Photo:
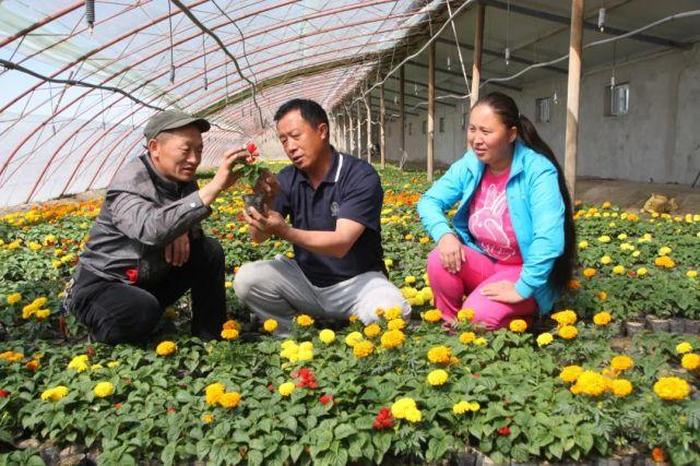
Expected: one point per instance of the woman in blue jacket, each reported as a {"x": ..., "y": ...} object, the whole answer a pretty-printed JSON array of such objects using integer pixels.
[{"x": 510, "y": 247}]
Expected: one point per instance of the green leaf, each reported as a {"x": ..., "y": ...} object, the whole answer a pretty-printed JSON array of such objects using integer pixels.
[
  {"x": 168, "y": 455},
  {"x": 255, "y": 458},
  {"x": 343, "y": 431}
]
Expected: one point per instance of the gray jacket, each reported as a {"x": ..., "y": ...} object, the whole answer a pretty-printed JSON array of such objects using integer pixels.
[{"x": 142, "y": 213}]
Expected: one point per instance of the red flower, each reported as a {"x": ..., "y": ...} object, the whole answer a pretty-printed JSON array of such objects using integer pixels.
[
  {"x": 384, "y": 419},
  {"x": 117, "y": 405},
  {"x": 4, "y": 393},
  {"x": 505, "y": 431},
  {"x": 325, "y": 399},
  {"x": 171, "y": 410},
  {"x": 132, "y": 275},
  {"x": 306, "y": 377},
  {"x": 251, "y": 147}
]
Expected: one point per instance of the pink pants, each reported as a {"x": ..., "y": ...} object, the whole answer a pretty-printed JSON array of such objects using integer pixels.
[{"x": 478, "y": 271}]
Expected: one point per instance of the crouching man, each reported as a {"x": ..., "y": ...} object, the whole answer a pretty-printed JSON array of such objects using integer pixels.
[
  {"x": 146, "y": 248},
  {"x": 334, "y": 203}
]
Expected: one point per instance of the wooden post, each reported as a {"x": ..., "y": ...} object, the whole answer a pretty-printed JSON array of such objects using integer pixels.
[
  {"x": 359, "y": 130},
  {"x": 382, "y": 137},
  {"x": 478, "y": 46},
  {"x": 573, "y": 95},
  {"x": 402, "y": 112},
  {"x": 369, "y": 128},
  {"x": 351, "y": 141},
  {"x": 431, "y": 109}
]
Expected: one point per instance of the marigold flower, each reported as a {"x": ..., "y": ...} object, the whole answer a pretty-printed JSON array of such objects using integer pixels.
[
  {"x": 410, "y": 280},
  {"x": 583, "y": 244},
  {"x": 465, "y": 406},
  {"x": 658, "y": 455},
  {"x": 392, "y": 313},
  {"x": 363, "y": 349},
  {"x": 372, "y": 330},
  {"x": 353, "y": 338},
  {"x": 602, "y": 318},
  {"x": 589, "y": 383},
  {"x": 396, "y": 324},
  {"x": 326, "y": 336},
  {"x": 304, "y": 320},
  {"x": 55, "y": 393},
  {"x": 684, "y": 347},
  {"x": 103, "y": 389},
  {"x": 481, "y": 341},
  {"x": 589, "y": 272},
  {"x": 433, "y": 315},
  {"x": 229, "y": 334},
  {"x": 622, "y": 363},
  {"x": 214, "y": 392},
  {"x": 32, "y": 365},
  {"x": 566, "y": 317},
  {"x": 467, "y": 337},
  {"x": 517, "y": 326},
  {"x": 11, "y": 356},
  {"x": 79, "y": 363},
  {"x": 230, "y": 400},
  {"x": 604, "y": 239},
  {"x": 232, "y": 324},
  {"x": 568, "y": 332},
  {"x": 664, "y": 251},
  {"x": 618, "y": 270},
  {"x": 465, "y": 315},
  {"x": 569, "y": 374},
  {"x": 671, "y": 388},
  {"x": 392, "y": 339},
  {"x": 664, "y": 262},
  {"x": 286, "y": 388},
  {"x": 207, "y": 418},
  {"x": 166, "y": 348},
  {"x": 621, "y": 387},
  {"x": 574, "y": 284},
  {"x": 270, "y": 325},
  {"x": 405, "y": 408},
  {"x": 641, "y": 271},
  {"x": 544, "y": 339},
  {"x": 690, "y": 361},
  {"x": 13, "y": 298},
  {"x": 440, "y": 354},
  {"x": 437, "y": 377}
]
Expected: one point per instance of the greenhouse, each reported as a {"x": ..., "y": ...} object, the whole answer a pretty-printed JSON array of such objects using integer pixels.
[{"x": 400, "y": 232}]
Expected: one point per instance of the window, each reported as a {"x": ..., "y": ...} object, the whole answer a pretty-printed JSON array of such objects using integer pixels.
[
  {"x": 617, "y": 99},
  {"x": 543, "y": 109},
  {"x": 442, "y": 124},
  {"x": 425, "y": 127}
]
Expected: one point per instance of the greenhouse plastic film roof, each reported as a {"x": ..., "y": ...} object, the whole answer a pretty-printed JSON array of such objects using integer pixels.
[{"x": 74, "y": 94}]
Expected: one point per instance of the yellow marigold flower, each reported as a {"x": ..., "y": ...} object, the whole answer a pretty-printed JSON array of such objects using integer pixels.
[
  {"x": 232, "y": 324},
  {"x": 13, "y": 298},
  {"x": 665, "y": 251},
  {"x": 583, "y": 244},
  {"x": 481, "y": 341},
  {"x": 664, "y": 262},
  {"x": 112, "y": 364},
  {"x": 517, "y": 326},
  {"x": 568, "y": 332},
  {"x": 96, "y": 367},
  {"x": 11, "y": 356},
  {"x": 363, "y": 349},
  {"x": 409, "y": 292},
  {"x": 207, "y": 418},
  {"x": 569, "y": 374},
  {"x": 691, "y": 273},
  {"x": 440, "y": 354},
  {"x": 40, "y": 302},
  {"x": 433, "y": 315},
  {"x": 589, "y": 272},
  {"x": 392, "y": 313},
  {"x": 408, "y": 237},
  {"x": 228, "y": 284},
  {"x": 396, "y": 324},
  {"x": 286, "y": 388},
  {"x": 427, "y": 294},
  {"x": 229, "y": 334},
  {"x": 353, "y": 318},
  {"x": 214, "y": 392},
  {"x": 372, "y": 330},
  {"x": 690, "y": 361},
  {"x": 465, "y": 315},
  {"x": 606, "y": 205},
  {"x": 79, "y": 363},
  {"x": 589, "y": 383},
  {"x": 604, "y": 239},
  {"x": 389, "y": 263},
  {"x": 401, "y": 406},
  {"x": 304, "y": 320},
  {"x": 55, "y": 393},
  {"x": 622, "y": 363},
  {"x": 671, "y": 388},
  {"x": 103, "y": 389},
  {"x": 166, "y": 348},
  {"x": 544, "y": 339},
  {"x": 465, "y": 406},
  {"x": 230, "y": 400},
  {"x": 605, "y": 260},
  {"x": 326, "y": 336},
  {"x": 622, "y": 236},
  {"x": 410, "y": 280},
  {"x": 636, "y": 253},
  {"x": 618, "y": 270},
  {"x": 28, "y": 311},
  {"x": 270, "y": 325},
  {"x": 353, "y": 338},
  {"x": 393, "y": 339},
  {"x": 414, "y": 416},
  {"x": 566, "y": 317},
  {"x": 602, "y": 318},
  {"x": 684, "y": 347},
  {"x": 437, "y": 377},
  {"x": 467, "y": 337}
]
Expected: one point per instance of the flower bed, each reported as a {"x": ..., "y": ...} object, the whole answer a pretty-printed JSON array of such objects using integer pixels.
[{"x": 393, "y": 392}]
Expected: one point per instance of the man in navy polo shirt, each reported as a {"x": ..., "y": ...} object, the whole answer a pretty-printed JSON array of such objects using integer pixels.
[{"x": 333, "y": 202}]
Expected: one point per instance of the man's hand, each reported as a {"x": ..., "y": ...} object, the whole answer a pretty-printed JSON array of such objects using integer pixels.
[
  {"x": 269, "y": 223},
  {"x": 178, "y": 252},
  {"x": 451, "y": 253},
  {"x": 224, "y": 177},
  {"x": 268, "y": 186},
  {"x": 503, "y": 291}
]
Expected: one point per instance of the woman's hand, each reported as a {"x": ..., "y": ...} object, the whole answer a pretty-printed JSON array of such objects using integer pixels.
[
  {"x": 451, "y": 253},
  {"x": 503, "y": 291}
]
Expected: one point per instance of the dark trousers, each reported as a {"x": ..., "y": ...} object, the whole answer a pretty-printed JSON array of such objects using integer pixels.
[{"x": 119, "y": 313}]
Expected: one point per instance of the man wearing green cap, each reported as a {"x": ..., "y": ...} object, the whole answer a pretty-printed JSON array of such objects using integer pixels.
[{"x": 146, "y": 248}]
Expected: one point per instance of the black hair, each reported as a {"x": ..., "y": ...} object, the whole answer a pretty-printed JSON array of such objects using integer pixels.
[
  {"x": 505, "y": 107},
  {"x": 311, "y": 111}
]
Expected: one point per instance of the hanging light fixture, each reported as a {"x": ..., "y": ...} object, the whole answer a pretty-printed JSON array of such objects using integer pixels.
[
  {"x": 555, "y": 97},
  {"x": 601, "y": 19},
  {"x": 506, "y": 52},
  {"x": 90, "y": 14},
  {"x": 507, "y": 56},
  {"x": 449, "y": 63},
  {"x": 415, "y": 89}
]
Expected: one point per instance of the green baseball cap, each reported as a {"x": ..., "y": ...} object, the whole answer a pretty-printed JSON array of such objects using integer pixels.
[{"x": 171, "y": 119}]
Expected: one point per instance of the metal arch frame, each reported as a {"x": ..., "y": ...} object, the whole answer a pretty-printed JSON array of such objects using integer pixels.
[{"x": 44, "y": 21}]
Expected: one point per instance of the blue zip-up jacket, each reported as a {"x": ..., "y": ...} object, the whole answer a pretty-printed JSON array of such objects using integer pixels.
[{"x": 536, "y": 211}]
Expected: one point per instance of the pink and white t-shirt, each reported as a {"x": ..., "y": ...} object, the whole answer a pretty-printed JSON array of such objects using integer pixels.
[{"x": 489, "y": 219}]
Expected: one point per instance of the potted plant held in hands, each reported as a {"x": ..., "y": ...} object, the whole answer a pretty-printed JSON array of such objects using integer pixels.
[{"x": 249, "y": 174}]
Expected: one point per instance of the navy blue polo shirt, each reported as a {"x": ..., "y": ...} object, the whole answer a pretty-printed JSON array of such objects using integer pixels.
[{"x": 352, "y": 190}]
